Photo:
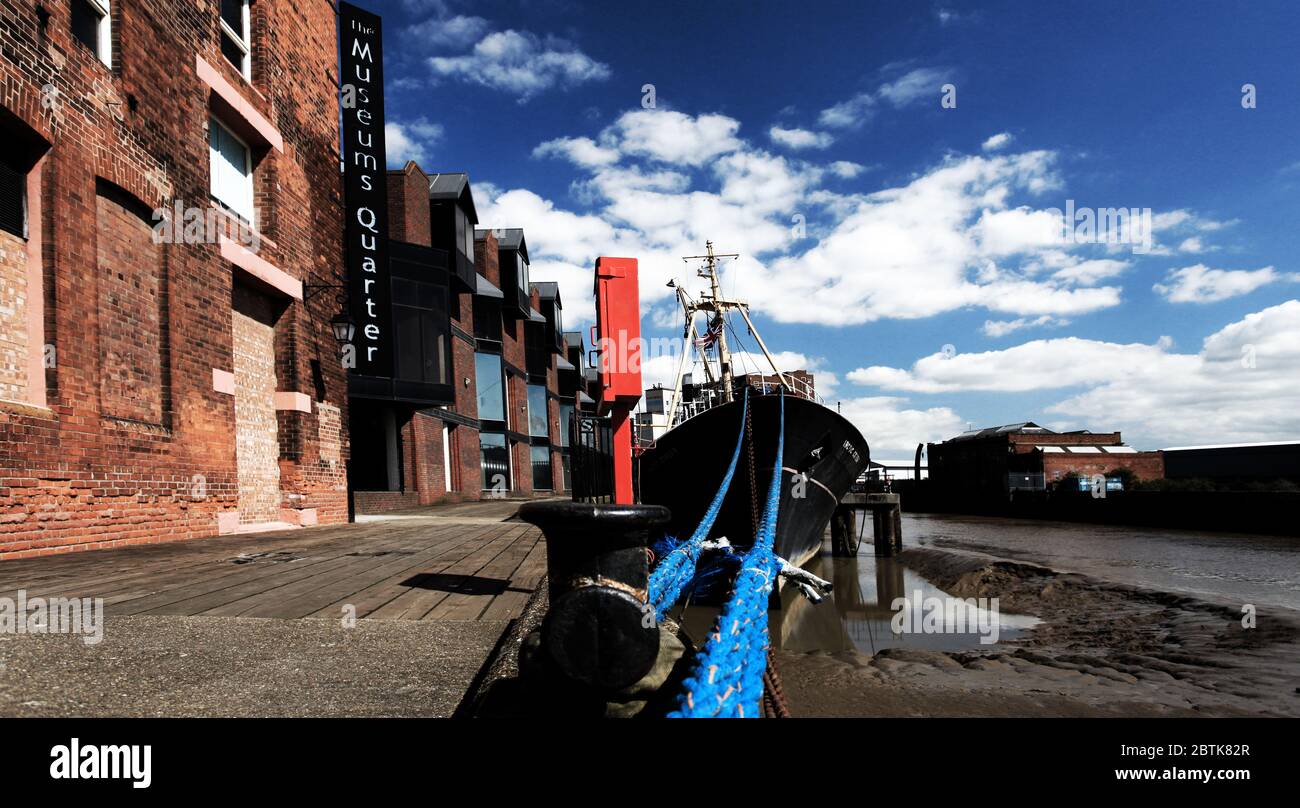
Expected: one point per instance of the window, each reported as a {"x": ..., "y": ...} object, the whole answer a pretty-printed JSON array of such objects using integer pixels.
[
  {"x": 487, "y": 319},
  {"x": 235, "y": 42},
  {"x": 91, "y": 24},
  {"x": 419, "y": 322},
  {"x": 566, "y": 424},
  {"x": 231, "y": 168},
  {"x": 537, "y": 411},
  {"x": 491, "y": 389},
  {"x": 13, "y": 200},
  {"x": 494, "y": 459},
  {"x": 541, "y": 457},
  {"x": 464, "y": 233},
  {"x": 522, "y": 274}
]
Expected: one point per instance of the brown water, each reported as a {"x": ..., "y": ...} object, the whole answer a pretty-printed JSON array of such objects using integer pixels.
[
  {"x": 858, "y": 614},
  {"x": 1220, "y": 566}
]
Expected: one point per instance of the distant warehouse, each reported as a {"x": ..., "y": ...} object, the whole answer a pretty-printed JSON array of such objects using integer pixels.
[
  {"x": 995, "y": 461},
  {"x": 1237, "y": 461}
]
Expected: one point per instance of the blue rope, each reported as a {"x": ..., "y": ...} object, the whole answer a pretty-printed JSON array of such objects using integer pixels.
[
  {"x": 677, "y": 568},
  {"x": 727, "y": 681}
]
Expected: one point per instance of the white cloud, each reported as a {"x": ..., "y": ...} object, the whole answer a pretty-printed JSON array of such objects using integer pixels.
[
  {"x": 673, "y": 137},
  {"x": 581, "y": 151},
  {"x": 908, "y": 88},
  {"x": 522, "y": 63},
  {"x": 1038, "y": 365},
  {"x": 410, "y": 140},
  {"x": 893, "y": 429},
  {"x": 845, "y": 169},
  {"x": 996, "y": 142},
  {"x": 800, "y": 138},
  {"x": 1090, "y": 273},
  {"x": 944, "y": 233},
  {"x": 1000, "y": 328},
  {"x": 455, "y": 32},
  {"x": 1201, "y": 284},
  {"x": 1241, "y": 386}
]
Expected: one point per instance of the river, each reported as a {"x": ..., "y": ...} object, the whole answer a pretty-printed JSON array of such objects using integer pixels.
[
  {"x": 1262, "y": 570},
  {"x": 1239, "y": 568}
]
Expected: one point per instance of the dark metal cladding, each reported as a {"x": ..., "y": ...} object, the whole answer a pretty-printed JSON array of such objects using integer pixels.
[
  {"x": 683, "y": 469},
  {"x": 596, "y": 631}
]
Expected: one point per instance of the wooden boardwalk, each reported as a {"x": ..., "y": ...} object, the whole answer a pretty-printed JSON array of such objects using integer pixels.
[{"x": 462, "y": 562}]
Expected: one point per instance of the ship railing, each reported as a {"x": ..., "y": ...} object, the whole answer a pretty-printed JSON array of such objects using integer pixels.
[{"x": 793, "y": 385}]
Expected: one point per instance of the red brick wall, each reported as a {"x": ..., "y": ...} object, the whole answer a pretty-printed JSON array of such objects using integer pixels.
[
  {"x": 408, "y": 205},
  {"x": 78, "y": 473},
  {"x": 129, "y": 275},
  {"x": 14, "y": 339},
  {"x": 1146, "y": 465}
]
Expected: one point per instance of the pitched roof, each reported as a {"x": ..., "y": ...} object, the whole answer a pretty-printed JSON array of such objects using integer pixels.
[
  {"x": 993, "y": 431},
  {"x": 453, "y": 187},
  {"x": 512, "y": 238},
  {"x": 549, "y": 290}
]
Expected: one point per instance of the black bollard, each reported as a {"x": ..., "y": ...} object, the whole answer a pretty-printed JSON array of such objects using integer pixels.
[{"x": 598, "y": 631}]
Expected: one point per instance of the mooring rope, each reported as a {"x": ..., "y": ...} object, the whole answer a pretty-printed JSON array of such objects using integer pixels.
[
  {"x": 677, "y": 569},
  {"x": 727, "y": 681}
]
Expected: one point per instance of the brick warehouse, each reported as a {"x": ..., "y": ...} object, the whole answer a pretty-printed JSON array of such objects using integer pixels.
[
  {"x": 991, "y": 463},
  {"x": 501, "y": 425},
  {"x": 167, "y": 388}
]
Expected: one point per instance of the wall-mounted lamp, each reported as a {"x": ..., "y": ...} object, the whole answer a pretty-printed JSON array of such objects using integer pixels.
[{"x": 343, "y": 326}]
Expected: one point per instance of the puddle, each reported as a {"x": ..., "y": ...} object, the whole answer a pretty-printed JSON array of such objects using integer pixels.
[{"x": 859, "y": 614}]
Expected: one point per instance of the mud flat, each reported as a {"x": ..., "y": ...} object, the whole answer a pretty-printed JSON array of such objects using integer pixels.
[{"x": 1102, "y": 649}]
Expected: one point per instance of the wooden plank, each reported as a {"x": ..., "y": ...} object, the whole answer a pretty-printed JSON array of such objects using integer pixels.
[
  {"x": 525, "y": 580},
  {"x": 202, "y": 597},
  {"x": 301, "y": 599},
  {"x": 469, "y": 605},
  {"x": 416, "y": 602},
  {"x": 193, "y": 586},
  {"x": 378, "y": 593}
]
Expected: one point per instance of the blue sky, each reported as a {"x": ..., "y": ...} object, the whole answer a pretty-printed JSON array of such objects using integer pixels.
[{"x": 876, "y": 226}]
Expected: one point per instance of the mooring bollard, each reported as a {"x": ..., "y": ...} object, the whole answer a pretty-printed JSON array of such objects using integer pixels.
[
  {"x": 886, "y": 523},
  {"x": 597, "y": 630}
]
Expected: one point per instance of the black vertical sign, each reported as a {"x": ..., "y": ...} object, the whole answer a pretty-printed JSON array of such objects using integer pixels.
[{"x": 366, "y": 189}]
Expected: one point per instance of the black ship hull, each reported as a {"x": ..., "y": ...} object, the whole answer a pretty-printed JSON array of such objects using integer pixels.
[{"x": 684, "y": 468}]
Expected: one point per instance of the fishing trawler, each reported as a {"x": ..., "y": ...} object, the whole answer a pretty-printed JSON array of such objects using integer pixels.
[{"x": 686, "y": 457}]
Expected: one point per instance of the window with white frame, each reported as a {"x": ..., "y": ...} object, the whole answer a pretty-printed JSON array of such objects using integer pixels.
[
  {"x": 236, "y": 45},
  {"x": 231, "y": 169},
  {"x": 92, "y": 24}
]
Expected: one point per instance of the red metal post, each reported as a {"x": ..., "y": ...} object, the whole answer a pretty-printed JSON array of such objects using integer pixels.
[{"x": 618, "y": 325}]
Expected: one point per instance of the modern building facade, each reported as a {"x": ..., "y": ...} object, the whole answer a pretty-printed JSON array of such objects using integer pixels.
[
  {"x": 169, "y": 201},
  {"x": 991, "y": 463},
  {"x": 495, "y": 421}
]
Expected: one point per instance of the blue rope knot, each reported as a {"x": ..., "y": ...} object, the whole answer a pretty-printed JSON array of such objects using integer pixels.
[
  {"x": 741, "y": 654},
  {"x": 677, "y": 569}
]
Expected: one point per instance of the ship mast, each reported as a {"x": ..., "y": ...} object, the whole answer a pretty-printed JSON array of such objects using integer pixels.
[{"x": 714, "y": 302}]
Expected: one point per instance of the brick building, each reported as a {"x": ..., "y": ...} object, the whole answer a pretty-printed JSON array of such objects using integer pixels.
[
  {"x": 990, "y": 463},
  {"x": 499, "y": 427},
  {"x": 169, "y": 196}
]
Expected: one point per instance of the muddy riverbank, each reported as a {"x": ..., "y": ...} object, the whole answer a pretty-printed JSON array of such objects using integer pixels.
[{"x": 1101, "y": 649}]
